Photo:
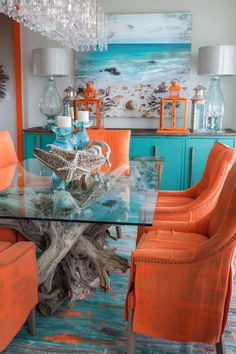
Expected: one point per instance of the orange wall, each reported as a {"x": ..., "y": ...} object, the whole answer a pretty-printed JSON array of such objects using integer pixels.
[{"x": 18, "y": 88}]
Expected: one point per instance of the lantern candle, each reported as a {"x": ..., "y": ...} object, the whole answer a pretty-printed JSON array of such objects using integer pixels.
[
  {"x": 83, "y": 116},
  {"x": 63, "y": 122}
]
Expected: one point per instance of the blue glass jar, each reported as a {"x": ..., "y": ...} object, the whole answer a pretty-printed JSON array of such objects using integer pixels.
[{"x": 81, "y": 138}]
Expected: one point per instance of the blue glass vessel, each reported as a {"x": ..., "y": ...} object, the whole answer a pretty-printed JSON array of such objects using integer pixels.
[
  {"x": 64, "y": 141},
  {"x": 63, "y": 137},
  {"x": 82, "y": 138}
]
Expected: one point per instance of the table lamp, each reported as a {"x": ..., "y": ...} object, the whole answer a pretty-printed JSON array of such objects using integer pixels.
[
  {"x": 50, "y": 62},
  {"x": 216, "y": 61}
]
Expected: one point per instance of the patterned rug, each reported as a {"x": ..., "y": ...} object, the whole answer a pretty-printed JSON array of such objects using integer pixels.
[{"x": 96, "y": 325}]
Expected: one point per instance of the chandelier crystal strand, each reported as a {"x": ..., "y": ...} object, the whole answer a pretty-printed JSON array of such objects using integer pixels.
[{"x": 78, "y": 24}]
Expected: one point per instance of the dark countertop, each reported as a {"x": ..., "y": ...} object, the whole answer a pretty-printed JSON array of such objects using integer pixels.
[{"x": 139, "y": 132}]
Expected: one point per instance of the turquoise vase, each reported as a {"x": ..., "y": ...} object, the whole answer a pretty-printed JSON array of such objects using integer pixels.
[{"x": 64, "y": 141}]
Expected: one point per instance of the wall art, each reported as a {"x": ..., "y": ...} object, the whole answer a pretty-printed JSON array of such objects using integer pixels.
[
  {"x": 3, "y": 80},
  {"x": 145, "y": 53}
]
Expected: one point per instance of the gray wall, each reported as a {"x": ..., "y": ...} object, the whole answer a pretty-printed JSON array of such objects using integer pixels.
[
  {"x": 213, "y": 23},
  {"x": 7, "y": 106}
]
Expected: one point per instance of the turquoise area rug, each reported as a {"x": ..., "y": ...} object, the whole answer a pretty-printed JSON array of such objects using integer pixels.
[{"x": 96, "y": 325}]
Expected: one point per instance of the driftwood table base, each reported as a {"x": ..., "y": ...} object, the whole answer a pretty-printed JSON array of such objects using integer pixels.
[{"x": 75, "y": 259}]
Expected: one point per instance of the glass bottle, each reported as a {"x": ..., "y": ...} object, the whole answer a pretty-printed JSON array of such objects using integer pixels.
[
  {"x": 215, "y": 106},
  {"x": 198, "y": 113}
]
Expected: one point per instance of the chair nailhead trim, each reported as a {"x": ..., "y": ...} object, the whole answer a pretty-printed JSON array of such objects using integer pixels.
[{"x": 194, "y": 260}]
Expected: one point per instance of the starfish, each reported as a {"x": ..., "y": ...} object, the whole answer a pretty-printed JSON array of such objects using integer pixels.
[{"x": 71, "y": 165}]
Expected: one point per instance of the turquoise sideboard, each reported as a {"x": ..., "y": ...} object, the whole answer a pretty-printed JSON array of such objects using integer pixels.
[{"x": 185, "y": 155}]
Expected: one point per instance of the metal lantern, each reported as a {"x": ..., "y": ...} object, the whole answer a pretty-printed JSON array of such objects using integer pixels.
[
  {"x": 68, "y": 102},
  {"x": 90, "y": 103},
  {"x": 198, "y": 112},
  {"x": 173, "y": 112}
]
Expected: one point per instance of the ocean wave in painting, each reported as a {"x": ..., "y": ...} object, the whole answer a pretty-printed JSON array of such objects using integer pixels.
[{"x": 126, "y": 61}]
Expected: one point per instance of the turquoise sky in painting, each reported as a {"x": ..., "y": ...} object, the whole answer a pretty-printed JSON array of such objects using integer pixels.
[{"x": 150, "y": 28}]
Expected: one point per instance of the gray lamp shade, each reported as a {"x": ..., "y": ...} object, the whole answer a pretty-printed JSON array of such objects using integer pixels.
[
  {"x": 219, "y": 60},
  {"x": 50, "y": 62}
]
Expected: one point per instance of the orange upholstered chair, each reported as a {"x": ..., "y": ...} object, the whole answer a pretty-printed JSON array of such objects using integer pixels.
[
  {"x": 118, "y": 140},
  {"x": 18, "y": 290},
  {"x": 8, "y": 153},
  {"x": 194, "y": 203},
  {"x": 181, "y": 280}
]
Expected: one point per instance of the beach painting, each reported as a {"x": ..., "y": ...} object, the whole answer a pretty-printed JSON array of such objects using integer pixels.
[{"x": 145, "y": 53}]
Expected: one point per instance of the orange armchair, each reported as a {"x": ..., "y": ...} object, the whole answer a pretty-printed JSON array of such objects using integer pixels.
[
  {"x": 194, "y": 203},
  {"x": 19, "y": 289},
  {"x": 118, "y": 140},
  {"x": 8, "y": 153},
  {"x": 181, "y": 279}
]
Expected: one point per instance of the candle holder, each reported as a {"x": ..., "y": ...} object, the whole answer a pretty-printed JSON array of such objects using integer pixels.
[
  {"x": 81, "y": 137},
  {"x": 63, "y": 137},
  {"x": 63, "y": 140}
]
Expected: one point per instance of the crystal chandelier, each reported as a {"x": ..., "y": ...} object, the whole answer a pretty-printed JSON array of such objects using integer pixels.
[{"x": 78, "y": 24}]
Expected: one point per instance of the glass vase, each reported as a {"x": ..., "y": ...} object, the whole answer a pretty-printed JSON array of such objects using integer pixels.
[{"x": 215, "y": 106}]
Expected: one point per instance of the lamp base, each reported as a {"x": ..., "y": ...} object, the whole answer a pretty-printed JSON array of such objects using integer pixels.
[
  {"x": 215, "y": 107},
  {"x": 51, "y": 122},
  {"x": 50, "y": 103}
]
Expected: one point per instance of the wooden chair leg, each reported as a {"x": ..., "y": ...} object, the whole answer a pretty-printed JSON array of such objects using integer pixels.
[
  {"x": 220, "y": 346},
  {"x": 31, "y": 322},
  {"x": 118, "y": 231},
  {"x": 131, "y": 337}
]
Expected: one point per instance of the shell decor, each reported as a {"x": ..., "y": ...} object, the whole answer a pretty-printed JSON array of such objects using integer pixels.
[{"x": 72, "y": 165}]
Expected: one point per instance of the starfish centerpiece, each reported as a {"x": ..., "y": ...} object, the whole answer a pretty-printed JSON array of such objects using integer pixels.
[{"x": 72, "y": 165}]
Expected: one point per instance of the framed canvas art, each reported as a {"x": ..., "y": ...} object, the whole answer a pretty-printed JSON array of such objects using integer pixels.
[{"x": 145, "y": 53}]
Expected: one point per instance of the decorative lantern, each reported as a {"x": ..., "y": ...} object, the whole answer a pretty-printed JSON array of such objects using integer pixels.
[
  {"x": 198, "y": 113},
  {"x": 173, "y": 112},
  {"x": 90, "y": 103},
  {"x": 68, "y": 102}
]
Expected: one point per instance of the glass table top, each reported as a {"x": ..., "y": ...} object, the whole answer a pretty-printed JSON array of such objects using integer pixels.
[{"x": 30, "y": 190}]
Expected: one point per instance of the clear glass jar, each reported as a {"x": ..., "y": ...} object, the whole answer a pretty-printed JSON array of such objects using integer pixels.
[{"x": 198, "y": 113}]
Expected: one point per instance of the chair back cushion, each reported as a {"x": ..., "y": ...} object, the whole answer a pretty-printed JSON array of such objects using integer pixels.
[
  {"x": 7, "y": 150},
  {"x": 218, "y": 164},
  {"x": 223, "y": 219},
  {"x": 118, "y": 140}
]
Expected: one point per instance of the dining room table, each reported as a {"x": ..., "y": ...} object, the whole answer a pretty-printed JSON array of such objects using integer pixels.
[{"x": 70, "y": 223}]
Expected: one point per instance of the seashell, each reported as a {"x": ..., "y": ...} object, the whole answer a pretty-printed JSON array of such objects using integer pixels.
[{"x": 129, "y": 105}]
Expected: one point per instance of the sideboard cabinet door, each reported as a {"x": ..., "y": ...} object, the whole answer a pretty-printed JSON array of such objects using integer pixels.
[
  {"x": 32, "y": 140},
  {"x": 169, "y": 147},
  {"x": 196, "y": 153}
]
